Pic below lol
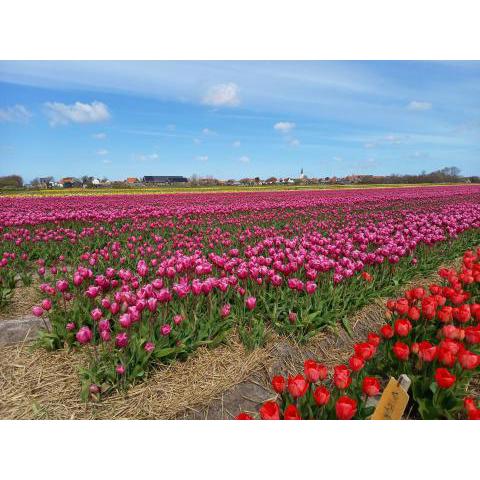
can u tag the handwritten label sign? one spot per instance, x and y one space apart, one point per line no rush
393 401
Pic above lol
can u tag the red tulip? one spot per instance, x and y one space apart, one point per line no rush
401 351
414 313
314 371
291 413
243 416
270 411
451 331
402 327
321 395
297 386
364 350
444 378
468 360
387 331
370 386
341 377
445 314
426 351
418 293
345 408
356 363
472 335
469 404
401 306
474 414
373 339
279 383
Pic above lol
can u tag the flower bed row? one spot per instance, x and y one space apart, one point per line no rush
433 336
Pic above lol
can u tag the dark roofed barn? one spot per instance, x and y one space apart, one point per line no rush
164 179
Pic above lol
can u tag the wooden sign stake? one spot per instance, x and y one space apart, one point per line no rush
394 400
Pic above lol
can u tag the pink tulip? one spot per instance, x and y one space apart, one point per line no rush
225 310
152 304
84 335
105 335
96 314
310 287
178 319
47 304
251 302
165 330
92 291
94 389
62 285
104 324
149 347
121 340
125 320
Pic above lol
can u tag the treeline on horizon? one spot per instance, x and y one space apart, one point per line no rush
444 175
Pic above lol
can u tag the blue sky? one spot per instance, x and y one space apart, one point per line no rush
238 119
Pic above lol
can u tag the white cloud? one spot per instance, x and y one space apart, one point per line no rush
419 106
207 131
284 127
396 139
141 157
171 127
197 141
418 154
244 159
62 114
294 142
223 94
102 152
202 158
17 114
236 144
106 161
370 145
99 136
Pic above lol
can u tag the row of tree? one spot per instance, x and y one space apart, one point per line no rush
11 181
445 175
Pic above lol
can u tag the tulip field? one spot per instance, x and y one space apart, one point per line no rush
142 280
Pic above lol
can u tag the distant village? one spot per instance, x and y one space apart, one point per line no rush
194 180
445 175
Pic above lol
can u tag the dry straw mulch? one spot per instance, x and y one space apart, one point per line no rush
35 384
21 303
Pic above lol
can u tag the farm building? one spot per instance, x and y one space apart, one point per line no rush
164 179
69 182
